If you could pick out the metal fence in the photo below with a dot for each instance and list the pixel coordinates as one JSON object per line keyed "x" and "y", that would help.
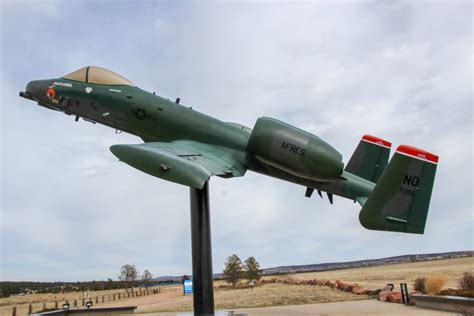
{"x": 24, "y": 309}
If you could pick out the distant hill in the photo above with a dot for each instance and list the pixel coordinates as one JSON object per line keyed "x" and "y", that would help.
{"x": 168, "y": 279}
{"x": 366, "y": 263}
{"x": 8, "y": 288}
{"x": 342, "y": 265}
{"x": 361, "y": 263}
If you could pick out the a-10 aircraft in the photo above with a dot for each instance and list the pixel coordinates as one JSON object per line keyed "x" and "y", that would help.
{"x": 187, "y": 147}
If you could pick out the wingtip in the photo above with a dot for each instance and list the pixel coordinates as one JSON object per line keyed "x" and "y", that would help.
{"x": 115, "y": 149}
{"x": 120, "y": 150}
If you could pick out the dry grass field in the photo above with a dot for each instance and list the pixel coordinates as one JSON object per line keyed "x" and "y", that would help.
{"x": 275, "y": 294}
{"x": 378, "y": 277}
{"x": 172, "y": 299}
{"x": 38, "y": 300}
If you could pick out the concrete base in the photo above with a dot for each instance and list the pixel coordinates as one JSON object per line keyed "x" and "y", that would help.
{"x": 218, "y": 313}
{"x": 352, "y": 308}
{"x": 445, "y": 303}
{"x": 107, "y": 311}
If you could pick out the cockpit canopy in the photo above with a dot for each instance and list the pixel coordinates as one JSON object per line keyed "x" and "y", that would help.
{"x": 98, "y": 75}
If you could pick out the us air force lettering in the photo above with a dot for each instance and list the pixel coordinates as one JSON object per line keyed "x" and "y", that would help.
{"x": 184, "y": 146}
{"x": 292, "y": 148}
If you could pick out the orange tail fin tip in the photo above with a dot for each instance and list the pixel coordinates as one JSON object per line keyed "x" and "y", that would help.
{"x": 417, "y": 153}
{"x": 377, "y": 141}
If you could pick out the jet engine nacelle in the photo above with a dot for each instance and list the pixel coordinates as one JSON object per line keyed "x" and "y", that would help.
{"x": 293, "y": 150}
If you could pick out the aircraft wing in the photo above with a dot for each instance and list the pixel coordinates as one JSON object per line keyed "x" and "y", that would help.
{"x": 185, "y": 162}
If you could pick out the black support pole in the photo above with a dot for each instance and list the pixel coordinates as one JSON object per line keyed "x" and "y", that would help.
{"x": 203, "y": 289}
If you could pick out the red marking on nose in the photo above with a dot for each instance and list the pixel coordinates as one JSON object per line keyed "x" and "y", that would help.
{"x": 51, "y": 93}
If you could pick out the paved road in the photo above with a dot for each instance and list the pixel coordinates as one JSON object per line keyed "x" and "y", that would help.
{"x": 368, "y": 307}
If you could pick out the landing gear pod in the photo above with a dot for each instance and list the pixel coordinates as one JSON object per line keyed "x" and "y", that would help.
{"x": 293, "y": 150}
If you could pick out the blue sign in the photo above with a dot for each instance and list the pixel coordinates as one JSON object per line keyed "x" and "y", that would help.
{"x": 188, "y": 287}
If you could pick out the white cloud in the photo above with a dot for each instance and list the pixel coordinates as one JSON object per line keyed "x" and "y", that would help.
{"x": 47, "y": 9}
{"x": 339, "y": 70}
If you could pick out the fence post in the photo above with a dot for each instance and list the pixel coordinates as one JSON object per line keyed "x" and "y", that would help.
{"x": 14, "y": 311}
{"x": 83, "y": 302}
{"x": 56, "y": 305}
{"x": 44, "y": 306}
{"x": 30, "y": 309}
{"x": 75, "y": 303}
{"x": 405, "y": 296}
{"x": 97, "y": 300}
{"x": 102, "y": 298}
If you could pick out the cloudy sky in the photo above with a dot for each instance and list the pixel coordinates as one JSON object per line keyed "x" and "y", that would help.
{"x": 71, "y": 211}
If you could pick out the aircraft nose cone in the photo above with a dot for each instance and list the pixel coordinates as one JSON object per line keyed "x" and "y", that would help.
{"x": 32, "y": 87}
{"x": 36, "y": 90}
{"x": 32, "y": 90}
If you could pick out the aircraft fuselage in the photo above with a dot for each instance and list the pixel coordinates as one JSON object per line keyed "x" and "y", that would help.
{"x": 156, "y": 119}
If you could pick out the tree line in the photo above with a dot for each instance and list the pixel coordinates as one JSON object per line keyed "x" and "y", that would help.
{"x": 129, "y": 277}
{"x": 15, "y": 288}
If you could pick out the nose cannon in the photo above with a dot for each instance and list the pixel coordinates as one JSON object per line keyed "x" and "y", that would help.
{"x": 32, "y": 88}
{"x": 26, "y": 95}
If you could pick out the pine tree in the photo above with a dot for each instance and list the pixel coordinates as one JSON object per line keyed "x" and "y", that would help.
{"x": 233, "y": 269}
{"x": 252, "y": 269}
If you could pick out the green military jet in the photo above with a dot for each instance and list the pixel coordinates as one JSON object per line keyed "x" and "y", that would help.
{"x": 187, "y": 147}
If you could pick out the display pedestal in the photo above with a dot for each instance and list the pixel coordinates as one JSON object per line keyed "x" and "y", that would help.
{"x": 203, "y": 289}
